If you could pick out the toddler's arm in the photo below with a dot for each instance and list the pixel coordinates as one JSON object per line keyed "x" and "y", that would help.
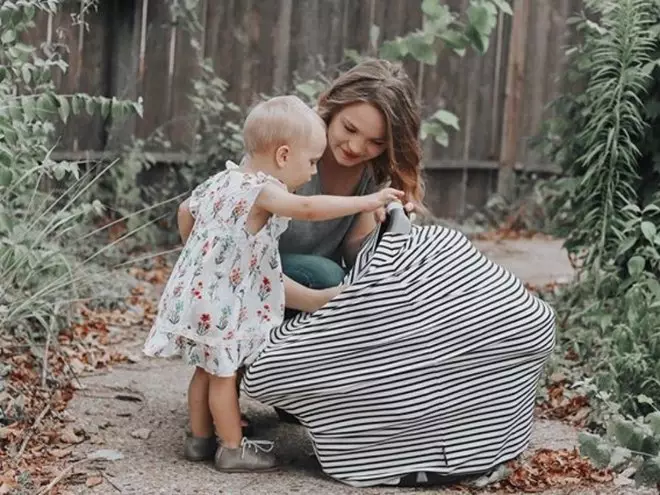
{"x": 321, "y": 207}
{"x": 185, "y": 221}
{"x": 302, "y": 298}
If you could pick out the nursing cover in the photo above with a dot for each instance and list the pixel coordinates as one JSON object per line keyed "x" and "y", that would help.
{"x": 427, "y": 363}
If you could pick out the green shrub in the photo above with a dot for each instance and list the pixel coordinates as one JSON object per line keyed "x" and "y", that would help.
{"x": 604, "y": 137}
{"x": 43, "y": 215}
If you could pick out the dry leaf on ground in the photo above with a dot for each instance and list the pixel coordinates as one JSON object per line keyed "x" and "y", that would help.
{"x": 548, "y": 469}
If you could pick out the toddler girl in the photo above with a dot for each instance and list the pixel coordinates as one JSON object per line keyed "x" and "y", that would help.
{"x": 226, "y": 291}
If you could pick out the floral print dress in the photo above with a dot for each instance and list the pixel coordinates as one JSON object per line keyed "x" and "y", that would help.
{"x": 226, "y": 291}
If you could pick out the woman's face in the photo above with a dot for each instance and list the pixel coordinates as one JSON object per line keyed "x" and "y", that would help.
{"x": 357, "y": 134}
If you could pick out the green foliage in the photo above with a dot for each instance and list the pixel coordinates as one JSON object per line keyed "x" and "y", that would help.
{"x": 604, "y": 136}
{"x": 42, "y": 211}
{"x": 611, "y": 325}
{"x": 599, "y": 134}
{"x": 442, "y": 26}
{"x": 631, "y": 445}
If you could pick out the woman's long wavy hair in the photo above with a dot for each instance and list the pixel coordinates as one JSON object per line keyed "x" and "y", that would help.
{"x": 386, "y": 86}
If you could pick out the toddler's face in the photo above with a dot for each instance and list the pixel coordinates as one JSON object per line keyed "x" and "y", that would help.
{"x": 304, "y": 157}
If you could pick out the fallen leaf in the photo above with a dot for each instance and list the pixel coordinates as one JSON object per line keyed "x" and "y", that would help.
{"x": 133, "y": 358}
{"x": 97, "y": 440}
{"x": 59, "y": 453}
{"x": 551, "y": 468}
{"x": 93, "y": 481}
{"x": 141, "y": 433}
{"x": 68, "y": 435}
{"x": 580, "y": 415}
{"x": 7, "y": 431}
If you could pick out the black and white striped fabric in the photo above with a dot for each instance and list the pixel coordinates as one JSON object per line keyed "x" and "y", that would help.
{"x": 427, "y": 363}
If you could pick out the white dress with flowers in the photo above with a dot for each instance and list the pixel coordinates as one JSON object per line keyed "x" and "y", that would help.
{"x": 226, "y": 292}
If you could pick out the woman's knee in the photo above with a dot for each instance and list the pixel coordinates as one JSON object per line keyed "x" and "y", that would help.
{"x": 312, "y": 271}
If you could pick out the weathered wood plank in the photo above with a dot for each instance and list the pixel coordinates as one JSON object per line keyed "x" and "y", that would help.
{"x": 535, "y": 74}
{"x": 88, "y": 74}
{"x": 282, "y": 47}
{"x": 126, "y": 67}
{"x": 513, "y": 106}
{"x": 183, "y": 157}
{"x": 263, "y": 27}
{"x": 157, "y": 73}
{"x": 186, "y": 70}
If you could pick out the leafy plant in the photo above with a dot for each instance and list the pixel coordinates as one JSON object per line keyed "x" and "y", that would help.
{"x": 604, "y": 137}
{"x": 42, "y": 211}
{"x": 599, "y": 131}
{"x": 631, "y": 445}
{"x": 441, "y": 29}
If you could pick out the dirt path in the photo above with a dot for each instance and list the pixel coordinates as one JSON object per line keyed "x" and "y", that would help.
{"x": 139, "y": 411}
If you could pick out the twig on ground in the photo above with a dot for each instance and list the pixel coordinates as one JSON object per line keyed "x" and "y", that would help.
{"x": 106, "y": 477}
{"x": 63, "y": 474}
{"x": 73, "y": 373}
{"x": 44, "y": 365}
{"x": 32, "y": 429}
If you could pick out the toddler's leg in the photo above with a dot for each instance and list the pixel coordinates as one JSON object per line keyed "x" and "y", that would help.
{"x": 223, "y": 401}
{"x": 201, "y": 421}
{"x": 236, "y": 453}
{"x": 201, "y": 443}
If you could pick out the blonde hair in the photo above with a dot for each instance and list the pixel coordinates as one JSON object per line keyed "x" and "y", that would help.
{"x": 278, "y": 121}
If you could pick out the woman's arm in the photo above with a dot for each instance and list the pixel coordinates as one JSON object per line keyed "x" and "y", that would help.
{"x": 302, "y": 298}
{"x": 185, "y": 221}
{"x": 364, "y": 225}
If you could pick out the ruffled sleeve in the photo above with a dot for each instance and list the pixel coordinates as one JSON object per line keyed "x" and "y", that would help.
{"x": 201, "y": 191}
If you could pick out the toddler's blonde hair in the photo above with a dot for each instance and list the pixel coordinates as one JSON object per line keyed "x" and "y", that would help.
{"x": 278, "y": 121}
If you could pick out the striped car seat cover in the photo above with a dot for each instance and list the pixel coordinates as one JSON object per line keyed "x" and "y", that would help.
{"x": 427, "y": 363}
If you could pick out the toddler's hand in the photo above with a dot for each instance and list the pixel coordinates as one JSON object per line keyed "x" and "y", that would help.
{"x": 382, "y": 198}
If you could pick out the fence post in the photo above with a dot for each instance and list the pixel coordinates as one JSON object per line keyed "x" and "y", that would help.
{"x": 506, "y": 179}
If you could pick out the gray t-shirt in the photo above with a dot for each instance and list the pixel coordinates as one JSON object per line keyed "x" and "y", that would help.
{"x": 322, "y": 238}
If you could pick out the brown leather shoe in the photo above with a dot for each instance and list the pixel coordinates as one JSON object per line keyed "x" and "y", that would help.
{"x": 252, "y": 455}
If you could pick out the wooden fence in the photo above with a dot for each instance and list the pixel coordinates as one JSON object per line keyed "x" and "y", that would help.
{"x": 131, "y": 48}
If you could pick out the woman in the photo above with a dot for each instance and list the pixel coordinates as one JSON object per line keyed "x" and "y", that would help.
{"x": 373, "y": 121}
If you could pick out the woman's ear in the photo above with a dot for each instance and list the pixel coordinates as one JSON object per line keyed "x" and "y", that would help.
{"x": 282, "y": 155}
